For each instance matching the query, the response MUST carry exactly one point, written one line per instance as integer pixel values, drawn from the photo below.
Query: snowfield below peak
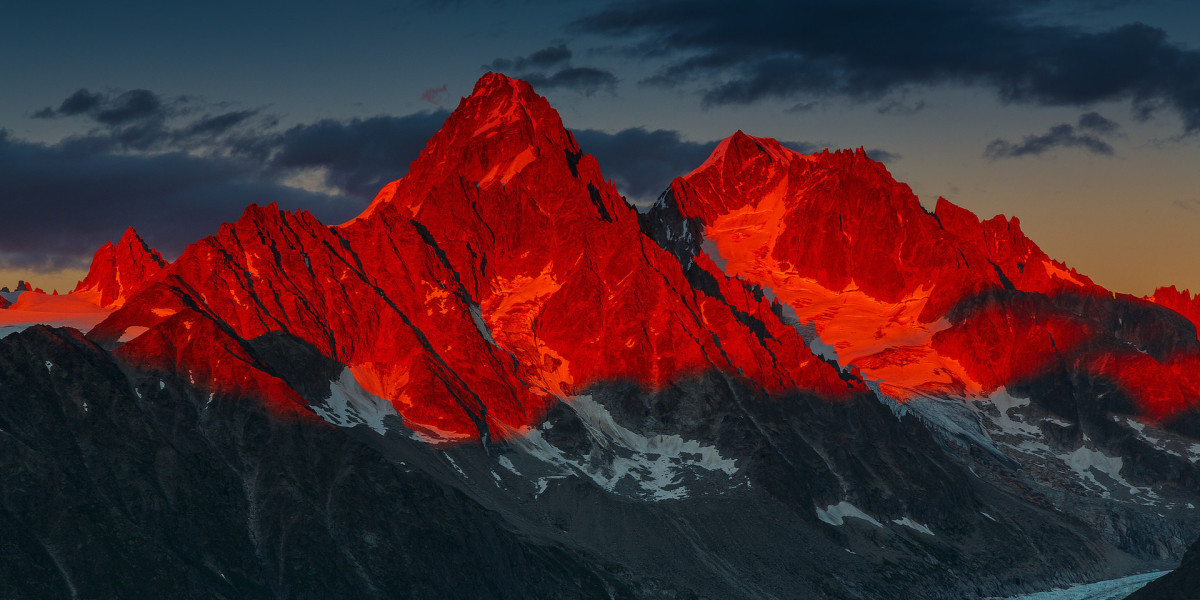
(622, 461)
(349, 405)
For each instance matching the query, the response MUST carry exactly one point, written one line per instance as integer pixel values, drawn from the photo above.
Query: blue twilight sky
(1082, 118)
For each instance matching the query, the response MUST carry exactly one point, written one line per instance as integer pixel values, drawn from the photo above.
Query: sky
(1082, 118)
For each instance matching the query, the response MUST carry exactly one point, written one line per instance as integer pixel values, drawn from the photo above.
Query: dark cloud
(898, 107)
(107, 109)
(548, 57)
(1096, 122)
(804, 147)
(536, 69)
(177, 171)
(173, 199)
(870, 49)
(213, 125)
(882, 155)
(1189, 204)
(1086, 134)
(642, 163)
(878, 154)
(81, 101)
(359, 156)
(142, 121)
(207, 132)
(585, 80)
(542, 59)
(133, 105)
(803, 107)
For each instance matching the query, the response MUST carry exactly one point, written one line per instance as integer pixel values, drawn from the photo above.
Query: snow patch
(709, 247)
(506, 170)
(49, 365)
(650, 468)
(132, 332)
(1086, 462)
(1004, 402)
(543, 483)
(349, 405)
(477, 316)
(836, 514)
(455, 465)
(911, 524)
(507, 463)
(809, 334)
(1162, 440)
(433, 435)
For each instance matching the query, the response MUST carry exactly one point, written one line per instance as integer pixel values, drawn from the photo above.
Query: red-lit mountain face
(118, 272)
(924, 303)
(501, 273)
(504, 272)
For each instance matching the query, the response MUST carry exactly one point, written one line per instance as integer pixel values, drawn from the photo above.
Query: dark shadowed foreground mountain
(786, 380)
(1181, 584)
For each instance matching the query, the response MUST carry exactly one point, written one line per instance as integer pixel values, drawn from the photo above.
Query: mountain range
(785, 379)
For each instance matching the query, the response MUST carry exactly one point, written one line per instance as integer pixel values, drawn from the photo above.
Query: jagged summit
(739, 149)
(119, 271)
(493, 134)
